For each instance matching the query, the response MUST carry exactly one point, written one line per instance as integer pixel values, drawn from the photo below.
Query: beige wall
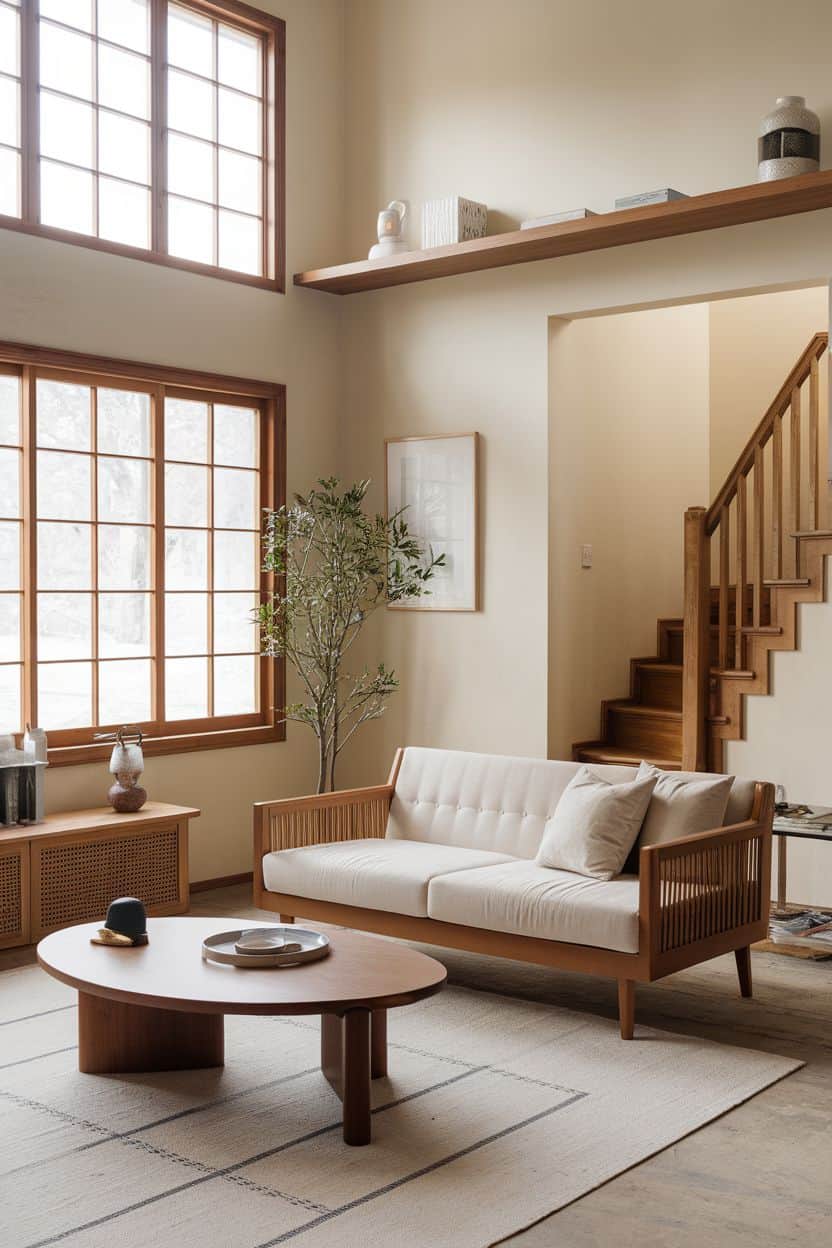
(63, 296)
(754, 342)
(534, 107)
(628, 448)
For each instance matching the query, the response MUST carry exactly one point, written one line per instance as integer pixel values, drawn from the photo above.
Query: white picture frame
(435, 480)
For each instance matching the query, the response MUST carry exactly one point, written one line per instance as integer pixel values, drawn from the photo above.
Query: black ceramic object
(127, 916)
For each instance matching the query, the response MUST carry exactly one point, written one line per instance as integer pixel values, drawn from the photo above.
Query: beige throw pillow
(595, 825)
(681, 806)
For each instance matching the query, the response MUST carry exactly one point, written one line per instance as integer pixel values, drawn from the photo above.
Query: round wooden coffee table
(160, 1006)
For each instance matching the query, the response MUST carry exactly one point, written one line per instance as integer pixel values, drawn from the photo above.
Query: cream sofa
(444, 853)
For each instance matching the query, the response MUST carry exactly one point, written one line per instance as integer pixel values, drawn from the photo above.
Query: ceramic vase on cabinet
(789, 141)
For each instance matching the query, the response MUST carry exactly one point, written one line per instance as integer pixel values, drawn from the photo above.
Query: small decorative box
(452, 220)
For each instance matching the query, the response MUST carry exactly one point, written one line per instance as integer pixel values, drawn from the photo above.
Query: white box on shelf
(452, 220)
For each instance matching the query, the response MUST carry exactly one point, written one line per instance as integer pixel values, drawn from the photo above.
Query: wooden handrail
(757, 542)
(798, 375)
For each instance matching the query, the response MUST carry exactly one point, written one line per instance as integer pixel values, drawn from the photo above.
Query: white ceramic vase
(789, 141)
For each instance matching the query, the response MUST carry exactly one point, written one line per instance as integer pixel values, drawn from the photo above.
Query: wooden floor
(760, 1176)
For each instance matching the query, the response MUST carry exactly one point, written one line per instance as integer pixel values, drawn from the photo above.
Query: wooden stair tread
(813, 533)
(735, 673)
(638, 708)
(763, 630)
(794, 582)
(658, 665)
(602, 752)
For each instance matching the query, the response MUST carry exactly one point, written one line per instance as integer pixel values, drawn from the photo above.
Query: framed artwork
(435, 480)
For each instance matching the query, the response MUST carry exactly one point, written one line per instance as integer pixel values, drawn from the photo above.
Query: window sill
(275, 284)
(77, 755)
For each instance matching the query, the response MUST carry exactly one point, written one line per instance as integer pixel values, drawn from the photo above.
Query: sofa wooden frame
(699, 897)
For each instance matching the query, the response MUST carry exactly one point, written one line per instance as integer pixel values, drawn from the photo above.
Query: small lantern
(390, 240)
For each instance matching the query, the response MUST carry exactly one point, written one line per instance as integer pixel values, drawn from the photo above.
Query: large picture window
(148, 127)
(130, 572)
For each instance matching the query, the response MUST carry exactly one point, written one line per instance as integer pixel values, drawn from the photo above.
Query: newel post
(696, 660)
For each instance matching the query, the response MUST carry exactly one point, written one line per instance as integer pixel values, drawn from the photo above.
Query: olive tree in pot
(334, 565)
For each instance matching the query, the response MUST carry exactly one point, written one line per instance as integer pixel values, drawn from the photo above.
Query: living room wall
(533, 108)
(57, 295)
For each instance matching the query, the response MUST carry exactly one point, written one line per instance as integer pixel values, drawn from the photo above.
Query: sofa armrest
(347, 815)
(700, 889)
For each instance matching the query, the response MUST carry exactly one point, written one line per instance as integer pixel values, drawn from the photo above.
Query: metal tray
(221, 948)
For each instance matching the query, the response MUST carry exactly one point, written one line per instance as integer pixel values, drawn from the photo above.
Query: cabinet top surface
(99, 817)
(169, 971)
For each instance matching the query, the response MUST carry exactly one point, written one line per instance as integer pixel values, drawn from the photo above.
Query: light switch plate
(586, 556)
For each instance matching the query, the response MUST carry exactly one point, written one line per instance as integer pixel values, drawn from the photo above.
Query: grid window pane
(235, 560)
(124, 692)
(64, 626)
(9, 41)
(9, 410)
(10, 554)
(235, 435)
(123, 626)
(123, 422)
(64, 695)
(10, 649)
(190, 41)
(239, 122)
(9, 183)
(240, 240)
(66, 198)
(186, 623)
(76, 13)
(239, 181)
(123, 490)
(190, 167)
(9, 482)
(239, 59)
(186, 559)
(186, 688)
(123, 557)
(235, 684)
(191, 104)
(63, 415)
(126, 22)
(235, 498)
(9, 112)
(66, 61)
(63, 486)
(186, 495)
(191, 230)
(186, 430)
(66, 129)
(64, 556)
(124, 147)
(124, 213)
(10, 707)
(123, 81)
(235, 628)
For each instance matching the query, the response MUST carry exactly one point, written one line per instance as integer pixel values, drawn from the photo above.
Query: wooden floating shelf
(737, 206)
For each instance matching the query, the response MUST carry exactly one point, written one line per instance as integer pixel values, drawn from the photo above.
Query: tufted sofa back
(495, 802)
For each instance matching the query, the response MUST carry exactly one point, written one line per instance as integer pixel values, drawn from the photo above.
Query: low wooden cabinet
(70, 867)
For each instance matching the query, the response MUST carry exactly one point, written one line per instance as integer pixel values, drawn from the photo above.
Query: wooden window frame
(74, 746)
(272, 30)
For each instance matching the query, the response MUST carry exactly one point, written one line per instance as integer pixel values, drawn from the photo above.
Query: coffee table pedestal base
(354, 1051)
(114, 1038)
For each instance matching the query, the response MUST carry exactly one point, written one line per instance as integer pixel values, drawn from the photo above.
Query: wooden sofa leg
(627, 1007)
(743, 957)
(287, 918)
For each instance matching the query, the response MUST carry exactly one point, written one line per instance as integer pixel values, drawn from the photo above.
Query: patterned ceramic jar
(789, 140)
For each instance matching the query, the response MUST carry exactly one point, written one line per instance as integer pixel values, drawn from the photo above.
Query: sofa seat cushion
(529, 900)
(374, 873)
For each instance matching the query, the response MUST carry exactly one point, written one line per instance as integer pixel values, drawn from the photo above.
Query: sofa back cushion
(496, 802)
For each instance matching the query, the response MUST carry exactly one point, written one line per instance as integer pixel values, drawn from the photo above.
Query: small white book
(556, 218)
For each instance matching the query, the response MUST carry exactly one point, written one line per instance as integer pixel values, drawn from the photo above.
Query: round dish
(221, 948)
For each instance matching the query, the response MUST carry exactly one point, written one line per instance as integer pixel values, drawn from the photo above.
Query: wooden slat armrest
(293, 822)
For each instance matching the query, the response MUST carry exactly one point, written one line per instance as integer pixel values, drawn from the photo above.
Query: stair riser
(644, 735)
(662, 689)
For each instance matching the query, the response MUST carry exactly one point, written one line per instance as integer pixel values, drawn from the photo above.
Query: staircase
(763, 544)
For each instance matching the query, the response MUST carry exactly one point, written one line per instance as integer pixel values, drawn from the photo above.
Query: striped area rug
(497, 1112)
